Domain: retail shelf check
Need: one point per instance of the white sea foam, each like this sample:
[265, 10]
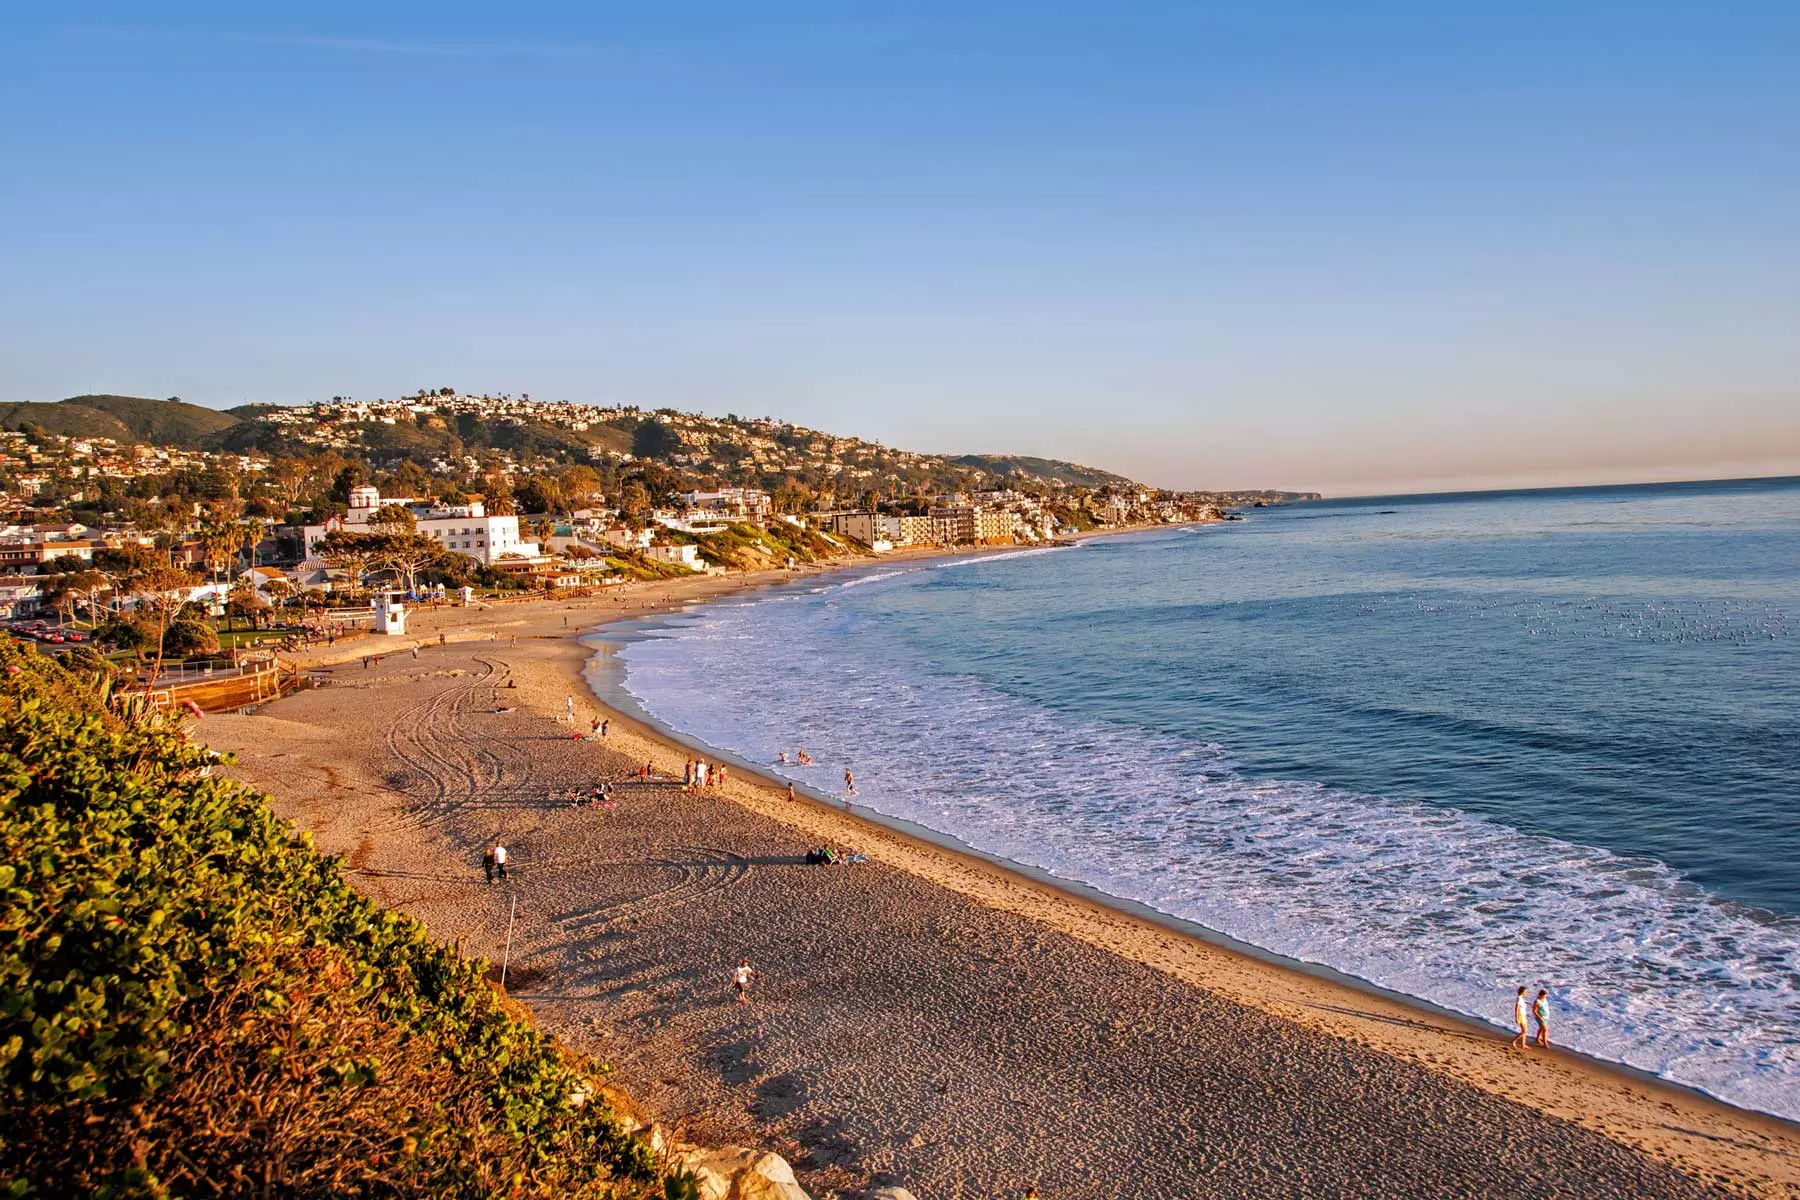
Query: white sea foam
[1645, 967]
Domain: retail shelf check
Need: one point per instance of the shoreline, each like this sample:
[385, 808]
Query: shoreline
[1757, 1153]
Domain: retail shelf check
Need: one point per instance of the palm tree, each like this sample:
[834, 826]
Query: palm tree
[219, 541]
[249, 536]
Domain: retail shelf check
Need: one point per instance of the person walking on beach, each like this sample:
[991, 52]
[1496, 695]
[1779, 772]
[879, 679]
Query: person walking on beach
[790, 790]
[569, 708]
[849, 783]
[1540, 1009]
[1518, 1042]
[487, 863]
[604, 723]
[740, 981]
[499, 859]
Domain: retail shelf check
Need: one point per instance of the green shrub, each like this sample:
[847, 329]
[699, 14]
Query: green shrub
[127, 633]
[190, 637]
[192, 1001]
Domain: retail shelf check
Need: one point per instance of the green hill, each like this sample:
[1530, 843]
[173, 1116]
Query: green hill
[124, 419]
[70, 420]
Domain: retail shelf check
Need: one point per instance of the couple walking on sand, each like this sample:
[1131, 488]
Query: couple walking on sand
[1540, 1010]
[493, 861]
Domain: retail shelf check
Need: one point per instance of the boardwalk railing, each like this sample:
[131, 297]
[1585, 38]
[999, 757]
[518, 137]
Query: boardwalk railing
[220, 690]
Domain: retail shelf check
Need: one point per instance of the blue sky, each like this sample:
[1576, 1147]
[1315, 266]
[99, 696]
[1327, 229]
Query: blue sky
[1350, 247]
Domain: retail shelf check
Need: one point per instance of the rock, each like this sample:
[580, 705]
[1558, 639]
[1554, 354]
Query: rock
[714, 1171]
[769, 1178]
[734, 1173]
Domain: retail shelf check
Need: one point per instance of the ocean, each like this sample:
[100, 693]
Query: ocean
[1446, 745]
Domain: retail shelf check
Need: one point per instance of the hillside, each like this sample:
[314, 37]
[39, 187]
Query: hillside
[1051, 470]
[124, 419]
[443, 431]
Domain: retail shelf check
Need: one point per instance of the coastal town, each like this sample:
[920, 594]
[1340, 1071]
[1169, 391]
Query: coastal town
[313, 506]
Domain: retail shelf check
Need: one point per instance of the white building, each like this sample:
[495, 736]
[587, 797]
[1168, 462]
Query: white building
[678, 556]
[464, 528]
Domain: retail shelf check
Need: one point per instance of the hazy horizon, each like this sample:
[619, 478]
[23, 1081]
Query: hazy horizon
[1354, 252]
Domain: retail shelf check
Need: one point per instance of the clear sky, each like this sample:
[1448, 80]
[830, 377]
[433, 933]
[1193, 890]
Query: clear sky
[1350, 247]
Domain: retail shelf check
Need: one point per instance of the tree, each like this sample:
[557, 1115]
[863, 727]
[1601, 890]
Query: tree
[68, 589]
[187, 638]
[245, 602]
[406, 554]
[352, 553]
[634, 504]
[653, 439]
[541, 494]
[249, 537]
[159, 590]
[410, 479]
[353, 475]
[499, 501]
[393, 518]
[219, 541]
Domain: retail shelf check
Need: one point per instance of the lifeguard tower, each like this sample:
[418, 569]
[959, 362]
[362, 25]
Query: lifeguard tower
[390, 613]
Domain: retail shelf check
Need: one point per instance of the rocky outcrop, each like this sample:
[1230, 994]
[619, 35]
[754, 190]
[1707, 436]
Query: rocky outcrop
[734, 1173]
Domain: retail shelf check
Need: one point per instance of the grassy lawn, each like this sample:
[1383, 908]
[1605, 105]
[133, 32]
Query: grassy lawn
[241, 638]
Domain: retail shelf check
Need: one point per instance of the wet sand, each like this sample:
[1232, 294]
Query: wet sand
[927, 1019]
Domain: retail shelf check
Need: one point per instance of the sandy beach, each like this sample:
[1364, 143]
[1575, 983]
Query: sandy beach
[928, 1018]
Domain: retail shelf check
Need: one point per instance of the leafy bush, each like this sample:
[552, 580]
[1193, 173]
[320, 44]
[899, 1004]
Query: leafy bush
[190, 637]
[193, 1002]
[127, 633]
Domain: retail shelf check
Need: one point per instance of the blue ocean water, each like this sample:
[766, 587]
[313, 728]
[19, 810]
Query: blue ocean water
[1446, 744]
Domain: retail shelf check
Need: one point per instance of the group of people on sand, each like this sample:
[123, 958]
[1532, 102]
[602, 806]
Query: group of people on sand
[493, 861]
[831, 856]
[701, 774]
[599, 796]
[1539, 1010]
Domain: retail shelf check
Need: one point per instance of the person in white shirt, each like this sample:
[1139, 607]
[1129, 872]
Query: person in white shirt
[500, 860]
[1519, 1009]
[740, 981]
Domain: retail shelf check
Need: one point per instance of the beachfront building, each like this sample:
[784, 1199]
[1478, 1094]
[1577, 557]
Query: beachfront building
[465, 528]
[865, 527]
[676, 556]
[953, 525]
[737, 502]
[913, 531]
[996, 526]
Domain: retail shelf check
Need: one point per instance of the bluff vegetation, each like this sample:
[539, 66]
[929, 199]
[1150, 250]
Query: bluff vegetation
[194, 1003]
